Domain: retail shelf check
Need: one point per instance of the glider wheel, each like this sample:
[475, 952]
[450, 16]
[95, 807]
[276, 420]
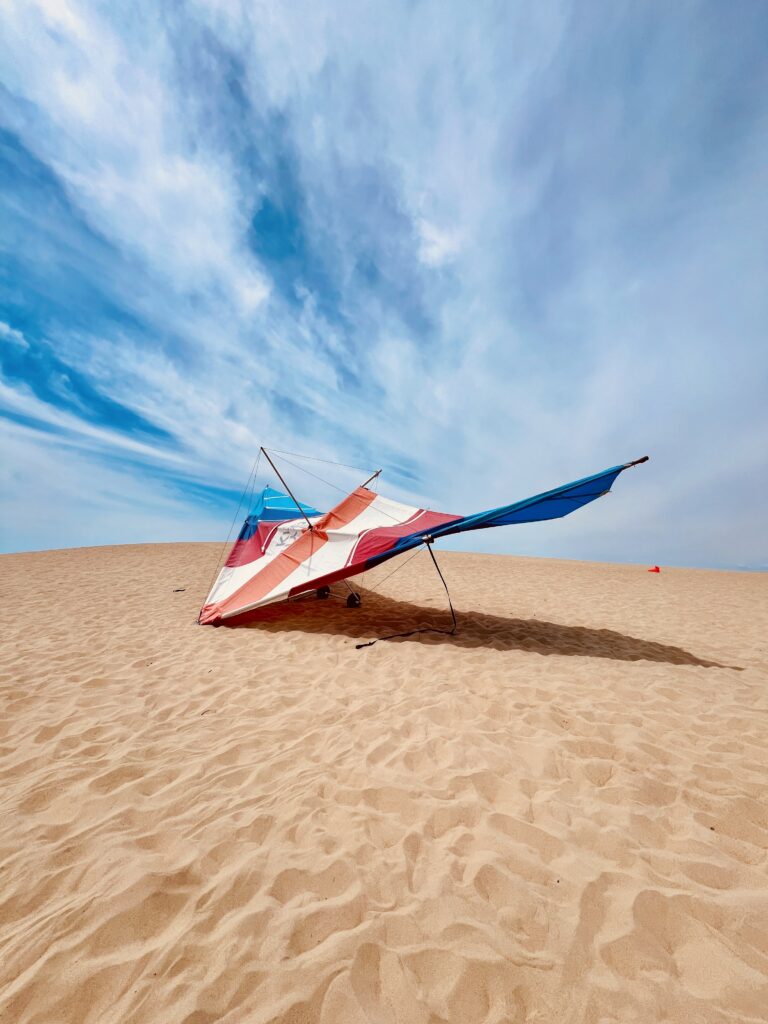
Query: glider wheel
[323, 593]
[353, 601]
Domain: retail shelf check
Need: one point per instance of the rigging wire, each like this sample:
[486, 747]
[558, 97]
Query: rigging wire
[341, 490]
[250, 497]
[316, 477]
[397, 568]
[329, 484]
[311, 458]
[251, 476]
[427, 629]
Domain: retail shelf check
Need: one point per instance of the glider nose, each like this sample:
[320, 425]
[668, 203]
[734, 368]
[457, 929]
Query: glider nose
[210, 615]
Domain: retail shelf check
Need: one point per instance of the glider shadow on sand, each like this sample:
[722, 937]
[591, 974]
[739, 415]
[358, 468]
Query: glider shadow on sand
[382, 614]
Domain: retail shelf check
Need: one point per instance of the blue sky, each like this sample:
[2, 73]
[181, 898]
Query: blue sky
[490, 247]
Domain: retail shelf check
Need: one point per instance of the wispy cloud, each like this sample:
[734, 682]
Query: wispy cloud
[491, 250]
[9, 336]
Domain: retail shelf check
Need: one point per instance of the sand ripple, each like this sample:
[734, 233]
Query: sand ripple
[558, 815]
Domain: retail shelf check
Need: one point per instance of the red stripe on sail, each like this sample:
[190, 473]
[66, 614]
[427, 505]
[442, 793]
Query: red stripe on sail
[281, 567]
[245, 551]
[376, 542]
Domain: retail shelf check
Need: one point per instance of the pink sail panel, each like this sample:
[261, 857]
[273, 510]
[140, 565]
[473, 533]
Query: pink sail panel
[285, 559]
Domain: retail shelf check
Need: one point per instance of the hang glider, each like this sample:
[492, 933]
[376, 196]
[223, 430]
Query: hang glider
[287, 548]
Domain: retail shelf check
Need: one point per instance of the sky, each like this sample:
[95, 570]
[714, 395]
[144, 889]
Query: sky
[489, 248]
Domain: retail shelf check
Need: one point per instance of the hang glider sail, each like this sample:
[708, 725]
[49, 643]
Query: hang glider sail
[287, 548]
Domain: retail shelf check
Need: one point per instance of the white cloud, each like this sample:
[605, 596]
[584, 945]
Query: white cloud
[523, 261]
[11, 336]
[54, 494]
[76, 431]
[111, 128]
[437, 246]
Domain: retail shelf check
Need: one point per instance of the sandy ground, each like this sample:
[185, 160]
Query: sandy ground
[558, 815]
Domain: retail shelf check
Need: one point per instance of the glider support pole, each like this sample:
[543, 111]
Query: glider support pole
[427, 540]
[371, 478]
[285, 485]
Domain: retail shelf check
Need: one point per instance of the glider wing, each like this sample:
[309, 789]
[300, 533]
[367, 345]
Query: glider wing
[274, 559]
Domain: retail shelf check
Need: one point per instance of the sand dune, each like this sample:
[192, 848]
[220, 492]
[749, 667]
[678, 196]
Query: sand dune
[558, 815]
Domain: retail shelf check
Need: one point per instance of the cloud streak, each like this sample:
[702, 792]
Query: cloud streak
[490, 250]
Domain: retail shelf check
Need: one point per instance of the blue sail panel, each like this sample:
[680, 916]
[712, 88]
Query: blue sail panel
[273, 506]
[550, 505]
